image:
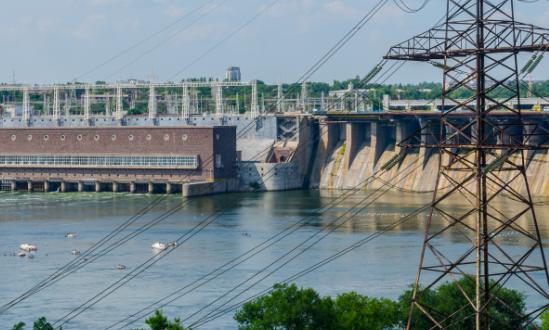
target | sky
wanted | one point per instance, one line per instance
(57, 41)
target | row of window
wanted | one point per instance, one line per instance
(96, 137)
(186, 162)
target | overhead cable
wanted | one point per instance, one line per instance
(144, 40)
(302, 247)
(224, 39)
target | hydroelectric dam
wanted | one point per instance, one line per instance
(85, 138)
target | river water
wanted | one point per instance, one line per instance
(384, 267)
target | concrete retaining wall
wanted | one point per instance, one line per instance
(269, 176)
(195, 189)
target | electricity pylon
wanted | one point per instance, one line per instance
(482, 143)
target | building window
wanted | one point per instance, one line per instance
(172, 162)
(218, 161)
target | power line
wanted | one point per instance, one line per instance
(402, 5)
(211, 49)
(164, 41)
(319, 264)
(177, 295)
(145, 265)
(348, 36)
(83, 259)
(332, 226)
(144, 40)
(224, 39)
(394, 66)
(135, 272)
(250, 253)
(84, 255)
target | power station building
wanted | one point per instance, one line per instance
(134, 159)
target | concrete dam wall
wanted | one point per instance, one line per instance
(363, 152)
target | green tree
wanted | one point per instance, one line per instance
(160, 322)
(19, 326)
(287, 307)
(447, 299)
(545, 320)
(353, 311)
(42, 324)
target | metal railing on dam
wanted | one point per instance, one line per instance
(527, 103)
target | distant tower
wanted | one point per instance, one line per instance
(26, 105)
(233, 74)
(279, 98)
(67, 107)
(304, 97)
(322, 101)
(152, 102)
(186, 100)
(218, 96)
(56, 103)
(254, 105)
(119, 102)
(87, 103)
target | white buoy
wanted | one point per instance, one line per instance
(28, 247)
(71, 235)
(159, 246)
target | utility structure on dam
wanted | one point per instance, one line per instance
(155, 104)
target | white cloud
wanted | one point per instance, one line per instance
(174, 11)
(89, 26)
(339, 8)
(109, 2)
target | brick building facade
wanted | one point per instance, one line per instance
(56, 157)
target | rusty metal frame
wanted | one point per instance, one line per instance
(482, 160)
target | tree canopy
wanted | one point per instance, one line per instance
(292, 308)
(288, 307)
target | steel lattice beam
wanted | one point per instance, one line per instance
(482, 163)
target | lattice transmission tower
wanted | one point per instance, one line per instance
(484, 144)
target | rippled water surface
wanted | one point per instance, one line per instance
(383, 267)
